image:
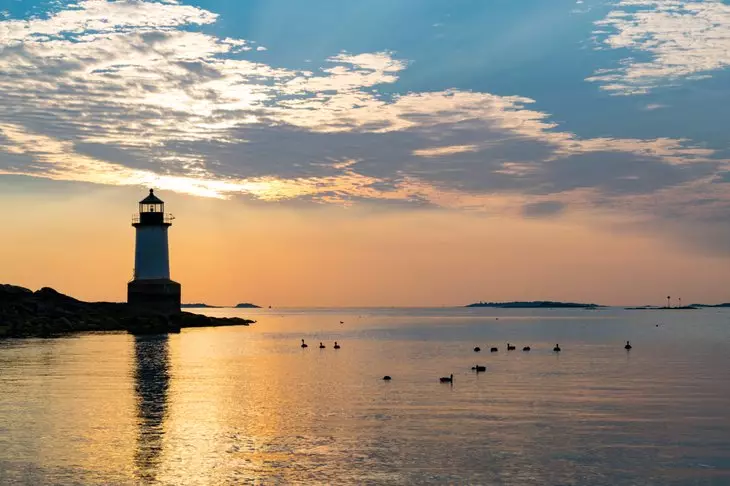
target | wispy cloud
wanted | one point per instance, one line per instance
(448, 150)
(683, 40)
(128, 92)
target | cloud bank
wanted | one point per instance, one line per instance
(134, 92)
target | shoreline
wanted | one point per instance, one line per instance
(48, 313)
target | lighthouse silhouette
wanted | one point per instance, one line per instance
(151, 287)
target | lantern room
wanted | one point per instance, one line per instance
(152, 212)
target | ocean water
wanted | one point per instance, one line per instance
(247, 405)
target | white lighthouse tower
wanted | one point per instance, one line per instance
(151, 286)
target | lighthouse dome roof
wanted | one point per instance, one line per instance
(151, 199)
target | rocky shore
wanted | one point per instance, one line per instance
(46, 312)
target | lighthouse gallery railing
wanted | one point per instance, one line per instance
(166, 218)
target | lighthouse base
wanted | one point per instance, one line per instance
(160, 295)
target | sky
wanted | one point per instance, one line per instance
(330, 153)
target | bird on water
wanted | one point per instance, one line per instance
(447, 379)
(526, 348)
(321, 346)
(628, 346)
(477, 349)
(387, 378)
(337, 346)
(556, 348)
(304, 345)
(479, 368)
(510, 347)
(493, 350)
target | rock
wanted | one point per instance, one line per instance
(11, 292)
(47, 312)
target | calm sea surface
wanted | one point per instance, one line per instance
(245, 405)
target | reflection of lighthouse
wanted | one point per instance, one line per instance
(151, 286)
(151, 384)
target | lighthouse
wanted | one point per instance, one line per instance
(151, 287)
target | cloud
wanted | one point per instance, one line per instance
(129, 93)
(673, 41)
(543, 209)
(448, 150)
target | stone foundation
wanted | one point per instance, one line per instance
(161, 295)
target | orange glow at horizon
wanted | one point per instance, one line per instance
(225, 252)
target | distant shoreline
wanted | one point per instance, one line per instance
(538, 304)
(685, 307)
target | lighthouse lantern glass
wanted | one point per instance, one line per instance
(151, 208)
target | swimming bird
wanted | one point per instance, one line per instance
(321, 346)
(445, 379)
(493, 350)
(387, 378)
(304, 345)
(478, 368)
(477, 349)
(337, 346)
(526, 348)
(510, 347)
(342, 322)
(628, 346)
(556, 348)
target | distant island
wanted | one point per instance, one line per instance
(653, 307)
(46, 313)
(201, 305)
(684, 307)
(538, 304)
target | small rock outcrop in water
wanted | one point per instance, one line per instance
(247, 305)
(46, 312)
